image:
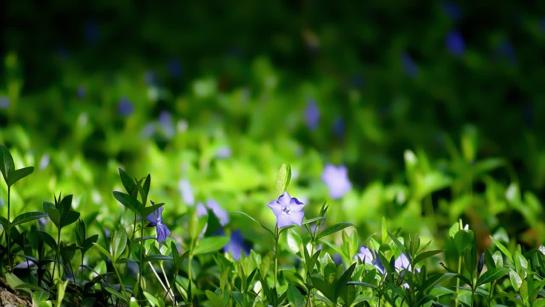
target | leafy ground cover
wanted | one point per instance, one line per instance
(362, 154)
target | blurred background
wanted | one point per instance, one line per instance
(433, 107)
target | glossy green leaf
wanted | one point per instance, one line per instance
(333, 229)
(28, 217)
(210, 244)
(16, 175)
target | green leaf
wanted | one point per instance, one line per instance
(28, 217)
(295, 297)
(6, 162)
(69, 217)
(145, 211)
(255, 221)
(128, 201)
(342, 284)
(144, 192)
(61, 288)
(118, 243)
(152, 300)
(128, 183)
(53, 213)
(492, 275)
(333, 229)
(16, 175)
(422, 256)
(103, 251)
(503, 249)
(516, 281)
(283, 178)
(210, 244)
(312, 220)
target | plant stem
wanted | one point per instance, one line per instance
(119, 278)
(168, 283)
(276, 235)
(8, 239)
(141, 264)
(458, 280)
(57, 259)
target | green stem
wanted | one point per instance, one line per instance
(8, 239)
(57, 259)
(458, 281)
(276, 235)
(190, 276)
(119, 278)
(141, 264)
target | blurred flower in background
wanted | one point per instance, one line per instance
(4, 102)
(219, 212)
(174, 68)
(336, 179)
(312, 114)
(409, 66)
(125, 107)
(236, 246)
(186, 191)
(454, 42)
(402, 263)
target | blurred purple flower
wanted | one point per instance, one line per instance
(148, 130)
(174, 68)
(187, 192)
(4, 102)
(336, 179)
(201, 210)
(288, 210)
(409, 66)
(236, 246)
(155, 219)
(312, 114)
(338, 127)
(219, 212)
(365, 255)
(452, 10)
(223, 152)
(337, 259)
(125, 107)
(402, 263)
(454, 42)
(165, 119)
(44, 161)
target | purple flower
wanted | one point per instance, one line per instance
(452, 10)
(312, 114)
(402, 263)
(366, 256)
(125, 107)
(236, 246)
(155, 219)
(288, 210)
(187, 192)
(409, 66)
(219, 212)
(4, 102)
(336, 179)
(455, 43)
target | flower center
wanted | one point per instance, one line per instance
(286, 210)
